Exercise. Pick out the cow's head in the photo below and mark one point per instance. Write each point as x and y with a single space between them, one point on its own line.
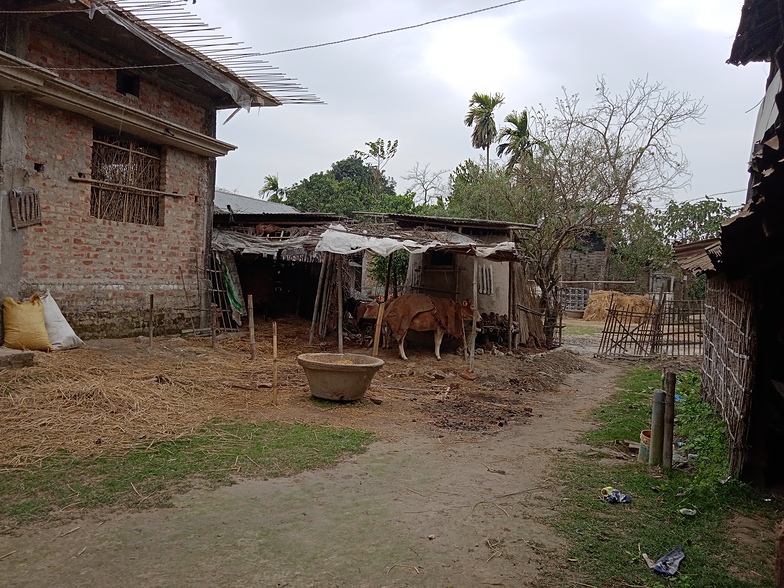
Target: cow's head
468 312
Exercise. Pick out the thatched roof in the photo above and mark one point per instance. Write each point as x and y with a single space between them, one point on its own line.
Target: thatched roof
759 33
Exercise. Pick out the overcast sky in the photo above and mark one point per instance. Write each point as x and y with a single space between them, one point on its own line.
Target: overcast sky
414 86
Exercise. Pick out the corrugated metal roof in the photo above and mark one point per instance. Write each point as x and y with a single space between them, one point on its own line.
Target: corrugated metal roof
697 257
246 205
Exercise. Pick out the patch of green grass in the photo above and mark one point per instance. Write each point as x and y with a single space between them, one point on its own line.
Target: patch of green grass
572 329
608 540
629 411
217 454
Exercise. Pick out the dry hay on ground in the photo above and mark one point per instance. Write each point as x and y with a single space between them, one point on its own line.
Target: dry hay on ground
600 300
115 395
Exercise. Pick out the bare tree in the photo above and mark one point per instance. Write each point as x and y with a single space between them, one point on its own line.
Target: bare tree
428 185
635 132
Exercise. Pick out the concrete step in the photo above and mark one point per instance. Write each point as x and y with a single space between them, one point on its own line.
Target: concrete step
13 358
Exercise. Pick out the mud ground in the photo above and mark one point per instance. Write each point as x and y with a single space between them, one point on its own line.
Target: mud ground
456 491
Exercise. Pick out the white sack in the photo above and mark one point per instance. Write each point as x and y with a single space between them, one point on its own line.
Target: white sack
61 335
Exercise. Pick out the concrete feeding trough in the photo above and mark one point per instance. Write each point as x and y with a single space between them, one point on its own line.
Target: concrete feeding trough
339 376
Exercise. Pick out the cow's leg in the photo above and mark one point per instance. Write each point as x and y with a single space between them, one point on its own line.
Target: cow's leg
400 346
439 336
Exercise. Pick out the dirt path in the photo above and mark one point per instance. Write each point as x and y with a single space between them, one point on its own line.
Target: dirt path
431 508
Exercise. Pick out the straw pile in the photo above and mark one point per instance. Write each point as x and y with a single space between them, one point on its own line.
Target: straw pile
600 300
89 401
112 396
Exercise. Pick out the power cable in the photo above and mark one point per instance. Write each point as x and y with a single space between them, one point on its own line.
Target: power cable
397 30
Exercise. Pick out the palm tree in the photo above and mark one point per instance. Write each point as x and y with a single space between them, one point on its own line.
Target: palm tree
480 116
515 140
271 189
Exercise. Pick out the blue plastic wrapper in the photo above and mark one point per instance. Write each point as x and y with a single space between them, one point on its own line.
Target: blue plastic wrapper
614 496
667 565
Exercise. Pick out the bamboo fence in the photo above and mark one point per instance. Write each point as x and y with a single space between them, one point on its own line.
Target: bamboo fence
728 364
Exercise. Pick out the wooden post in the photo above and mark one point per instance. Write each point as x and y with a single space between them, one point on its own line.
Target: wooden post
669 422
340 302
657 428
779 569
187 298
389 273
510 307
152 317
318 297
274 362
379 322
473 319
251 328
325 298
214 324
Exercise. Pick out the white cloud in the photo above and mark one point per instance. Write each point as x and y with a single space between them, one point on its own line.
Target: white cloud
716 16
478 55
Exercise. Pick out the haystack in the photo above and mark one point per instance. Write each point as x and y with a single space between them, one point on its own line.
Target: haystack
600 300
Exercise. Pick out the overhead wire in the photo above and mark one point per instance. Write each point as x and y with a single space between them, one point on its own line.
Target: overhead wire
188 29
389 31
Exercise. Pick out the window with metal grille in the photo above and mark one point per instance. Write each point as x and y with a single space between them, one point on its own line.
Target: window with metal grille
126 180
485 285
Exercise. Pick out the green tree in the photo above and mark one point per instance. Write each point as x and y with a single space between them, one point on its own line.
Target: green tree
476 193
644 237
354 168
349 187
397 274
685 222
271 189
481 116
381 153
321 192
514 140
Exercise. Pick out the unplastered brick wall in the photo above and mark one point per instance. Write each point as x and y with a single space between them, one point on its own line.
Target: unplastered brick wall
48 49
102 272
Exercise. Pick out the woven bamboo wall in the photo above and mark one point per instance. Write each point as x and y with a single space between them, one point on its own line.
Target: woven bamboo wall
728 363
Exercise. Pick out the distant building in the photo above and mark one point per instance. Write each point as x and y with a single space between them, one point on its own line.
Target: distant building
234 203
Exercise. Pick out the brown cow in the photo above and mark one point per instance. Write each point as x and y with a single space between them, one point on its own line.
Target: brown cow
419 312
366 315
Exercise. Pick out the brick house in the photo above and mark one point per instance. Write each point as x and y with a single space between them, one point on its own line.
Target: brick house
107 162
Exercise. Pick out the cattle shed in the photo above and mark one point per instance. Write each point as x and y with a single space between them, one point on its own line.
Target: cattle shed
268 253
456 258
298 262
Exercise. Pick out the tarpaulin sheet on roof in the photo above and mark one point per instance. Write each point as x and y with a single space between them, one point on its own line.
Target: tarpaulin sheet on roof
252 245
336 239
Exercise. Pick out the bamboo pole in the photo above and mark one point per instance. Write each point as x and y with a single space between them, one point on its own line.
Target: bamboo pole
473 318
339 283
318 297
274 362
379 323
669 421
213 324
251 328
152 317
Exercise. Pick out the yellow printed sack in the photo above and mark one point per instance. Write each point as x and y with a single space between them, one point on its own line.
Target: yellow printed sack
24 325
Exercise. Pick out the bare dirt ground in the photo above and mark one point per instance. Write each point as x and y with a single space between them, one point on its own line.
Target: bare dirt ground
456 491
